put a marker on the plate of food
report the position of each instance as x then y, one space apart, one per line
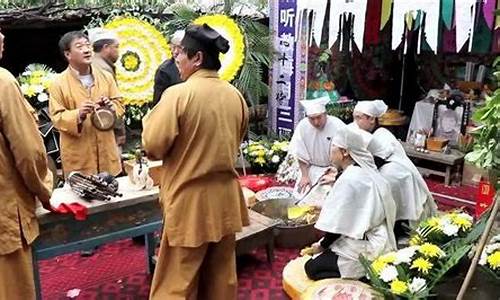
275 192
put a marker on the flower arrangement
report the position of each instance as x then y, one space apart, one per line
288 170
35 81
442 229
490 258
265 156
232 61
412 272
142 49
134 114
406 272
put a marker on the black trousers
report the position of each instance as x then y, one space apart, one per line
323 266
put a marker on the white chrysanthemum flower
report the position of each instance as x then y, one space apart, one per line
42 97
417 284
389 273
285 148
482 259
26 73
275 159
491 248
450 229
38 88
404 255
24 88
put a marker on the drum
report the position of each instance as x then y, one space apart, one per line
103 119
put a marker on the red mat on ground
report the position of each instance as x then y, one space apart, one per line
117 270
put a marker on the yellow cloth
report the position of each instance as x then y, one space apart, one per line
196 129
16 275
23 168
90 151
205 272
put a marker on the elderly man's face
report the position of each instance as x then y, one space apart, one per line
337 156
112 51
317 120
187 66
364 121
176 49
2 38
80 52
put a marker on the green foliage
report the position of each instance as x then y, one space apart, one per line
486 150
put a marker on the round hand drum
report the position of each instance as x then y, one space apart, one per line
103 119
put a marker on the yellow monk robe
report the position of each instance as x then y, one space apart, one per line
196 129
24 176
89 150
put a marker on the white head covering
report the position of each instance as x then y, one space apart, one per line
177 37
373 108
356 143
315 106
446 87
97 34
353 140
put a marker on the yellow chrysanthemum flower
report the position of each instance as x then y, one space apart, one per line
399 287
494 260
30 91
233 60
431 250
378 265
422 265
433 222
416 240
388 258
142 49
461 221
260 160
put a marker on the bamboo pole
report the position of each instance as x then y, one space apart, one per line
479 250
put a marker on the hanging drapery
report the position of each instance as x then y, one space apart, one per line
489 12
355 7
386 13
447 12
431 9
318 10
372 26
465 10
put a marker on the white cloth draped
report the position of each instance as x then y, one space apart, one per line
359 207
312 146
465 11
339 8
410 192
318 10
430 7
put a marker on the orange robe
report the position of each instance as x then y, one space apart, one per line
196 129
90 151
24 177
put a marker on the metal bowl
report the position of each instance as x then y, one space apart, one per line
287 236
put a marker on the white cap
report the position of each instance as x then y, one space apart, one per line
315 106
98 34
373 108
177 37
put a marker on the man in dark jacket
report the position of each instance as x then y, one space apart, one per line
167 74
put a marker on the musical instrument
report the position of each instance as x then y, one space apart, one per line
94 187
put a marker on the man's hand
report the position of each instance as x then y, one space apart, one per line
329 177
104 101
86 108
304 183
313 249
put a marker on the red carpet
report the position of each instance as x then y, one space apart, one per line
117 270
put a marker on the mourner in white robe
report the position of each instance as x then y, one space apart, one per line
359 209
310 145
409 190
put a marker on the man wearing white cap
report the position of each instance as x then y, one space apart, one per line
105 44
357 215
167 73
310 144
409 190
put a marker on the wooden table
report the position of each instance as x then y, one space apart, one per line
259 233
136 213
450 161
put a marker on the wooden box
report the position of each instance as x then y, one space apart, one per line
436 144
154 169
